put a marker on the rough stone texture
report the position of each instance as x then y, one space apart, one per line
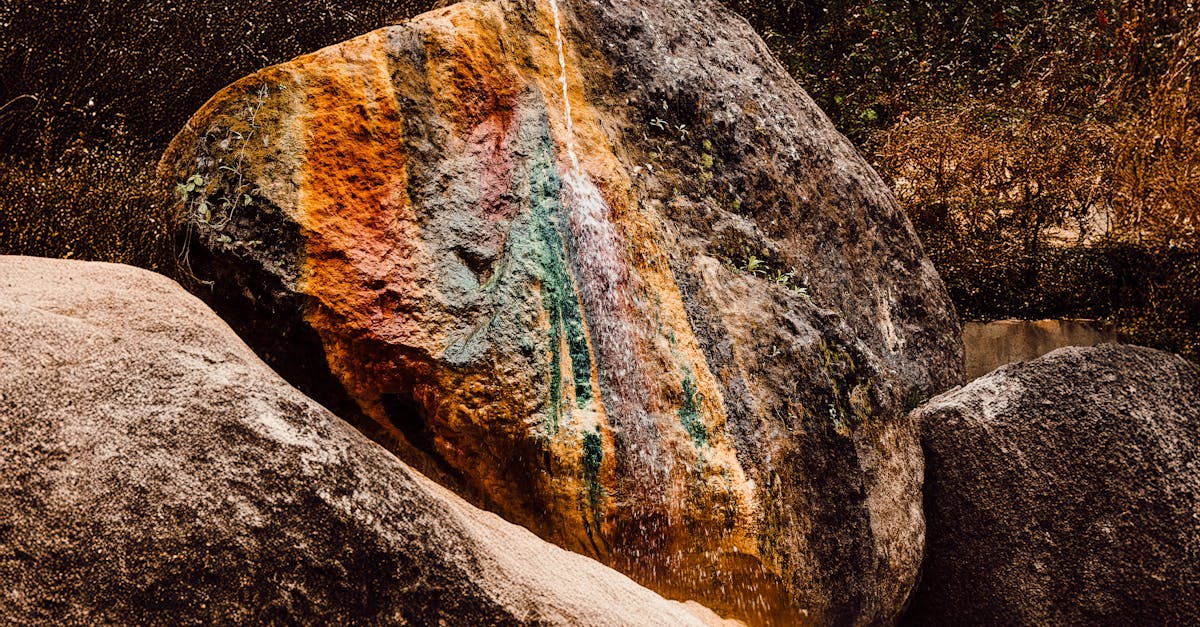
679 330
154 471
1065 491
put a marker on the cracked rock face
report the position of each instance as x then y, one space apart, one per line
618 280
1065 491
154 471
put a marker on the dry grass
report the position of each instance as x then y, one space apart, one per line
1154 174
1032 209
89 204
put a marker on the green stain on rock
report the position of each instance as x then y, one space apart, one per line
559 296
592 458
689 412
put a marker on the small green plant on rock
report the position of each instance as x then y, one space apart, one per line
199 207
769 267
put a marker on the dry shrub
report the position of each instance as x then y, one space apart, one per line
94 204
1155 171
980 171
1034 209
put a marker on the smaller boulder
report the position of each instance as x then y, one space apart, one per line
1064 491
154 472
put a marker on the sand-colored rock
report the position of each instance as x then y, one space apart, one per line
153 471
989 345
678 330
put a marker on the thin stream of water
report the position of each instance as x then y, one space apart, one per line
562 67
604 279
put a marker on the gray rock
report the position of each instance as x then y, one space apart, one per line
154 471
1065 491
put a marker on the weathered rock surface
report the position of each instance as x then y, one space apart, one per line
676 325
154 471
1065 491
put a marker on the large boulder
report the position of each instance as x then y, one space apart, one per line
154 471
1065 491
603 268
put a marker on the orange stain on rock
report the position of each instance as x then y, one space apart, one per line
395 309
364 255
365 233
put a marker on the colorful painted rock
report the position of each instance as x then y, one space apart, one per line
602 268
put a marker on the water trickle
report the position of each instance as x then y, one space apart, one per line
604 278
562 69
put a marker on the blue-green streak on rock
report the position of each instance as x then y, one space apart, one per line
592 458
558 292
689 412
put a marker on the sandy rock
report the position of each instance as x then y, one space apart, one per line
679 330
989 345
1065 491
154 471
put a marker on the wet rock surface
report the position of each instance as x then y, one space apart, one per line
154 471
639 296
1064 491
